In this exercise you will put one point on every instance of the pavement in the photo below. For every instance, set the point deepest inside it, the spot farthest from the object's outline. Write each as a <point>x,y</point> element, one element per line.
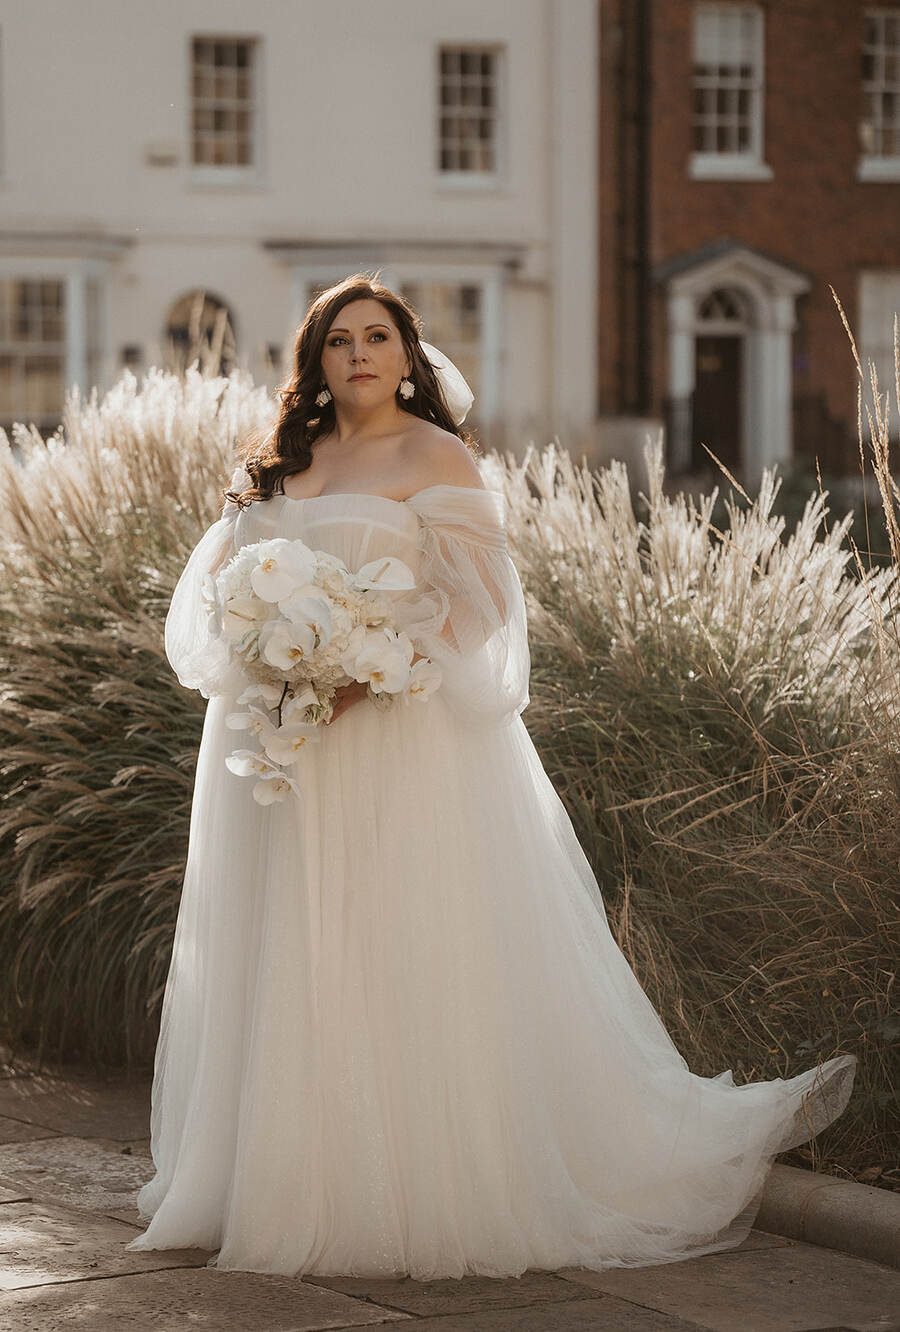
<point>74,1151</point>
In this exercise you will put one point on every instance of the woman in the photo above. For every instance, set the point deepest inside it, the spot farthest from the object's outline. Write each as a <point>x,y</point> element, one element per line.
<point>398,1036</point>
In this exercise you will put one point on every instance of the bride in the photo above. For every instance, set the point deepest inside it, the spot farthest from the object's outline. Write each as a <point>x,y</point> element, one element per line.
<point>398,1037</point>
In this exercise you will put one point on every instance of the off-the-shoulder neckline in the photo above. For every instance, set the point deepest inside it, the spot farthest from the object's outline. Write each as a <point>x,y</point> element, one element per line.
<point>365,494</point>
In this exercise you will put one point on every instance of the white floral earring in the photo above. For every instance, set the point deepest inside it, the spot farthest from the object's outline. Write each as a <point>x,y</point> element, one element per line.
<point>323,397</point>
<point>407,388</point>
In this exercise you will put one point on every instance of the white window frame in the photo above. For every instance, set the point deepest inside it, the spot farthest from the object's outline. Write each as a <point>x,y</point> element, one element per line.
<point>228,176</point>
<point>879,166</point>
<point>473,180</point>
<point>876,308</point>
<point>75,275</point>
<point>749,164</point>
<point>488,277</point>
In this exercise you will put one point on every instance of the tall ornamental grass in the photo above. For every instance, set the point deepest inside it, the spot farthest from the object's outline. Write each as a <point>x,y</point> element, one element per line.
<point>718,707</point>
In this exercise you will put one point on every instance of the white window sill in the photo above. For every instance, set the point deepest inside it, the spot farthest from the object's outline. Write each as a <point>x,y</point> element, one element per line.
<point>878,168</point>
<point>226,177</point>
<point>460,181</point>
<point>727,166</point>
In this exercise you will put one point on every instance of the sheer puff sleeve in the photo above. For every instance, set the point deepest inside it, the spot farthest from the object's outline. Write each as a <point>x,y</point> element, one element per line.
<point>197,655</point>
<point>477,632</point>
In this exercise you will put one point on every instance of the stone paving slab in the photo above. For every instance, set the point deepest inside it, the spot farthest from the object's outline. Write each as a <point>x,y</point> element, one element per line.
<point>795,1288</point>
<point>189,1300</point>
<point>10,1192</point>
<point>86,1173</point>
<point>86,1107</point>
<point>40,1244</point>
<point>19,1130</point>
<point>452,1295</point>
<point>598,1315</point>
<point>471,1293</point>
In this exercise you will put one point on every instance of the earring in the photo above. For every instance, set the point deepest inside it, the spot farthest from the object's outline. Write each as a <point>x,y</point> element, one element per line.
<point>407,388</point>
<point>323,397</point>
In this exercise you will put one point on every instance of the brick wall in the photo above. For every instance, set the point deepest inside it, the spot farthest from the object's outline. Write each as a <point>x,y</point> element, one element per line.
<point>813,215</point>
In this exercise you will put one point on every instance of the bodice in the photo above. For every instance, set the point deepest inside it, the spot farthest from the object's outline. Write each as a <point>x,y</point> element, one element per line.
<point>354,527</point>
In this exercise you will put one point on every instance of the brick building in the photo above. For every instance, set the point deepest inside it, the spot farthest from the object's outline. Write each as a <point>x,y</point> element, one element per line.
<point>749,156</point>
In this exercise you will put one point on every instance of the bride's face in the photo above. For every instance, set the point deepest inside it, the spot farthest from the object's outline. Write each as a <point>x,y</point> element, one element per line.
<point>363,357</point>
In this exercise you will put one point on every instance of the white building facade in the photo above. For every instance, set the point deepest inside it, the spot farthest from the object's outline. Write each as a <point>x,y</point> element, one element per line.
<point>220,161</point>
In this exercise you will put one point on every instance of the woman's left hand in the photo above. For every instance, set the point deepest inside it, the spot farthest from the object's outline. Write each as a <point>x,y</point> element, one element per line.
<point>345,696</point>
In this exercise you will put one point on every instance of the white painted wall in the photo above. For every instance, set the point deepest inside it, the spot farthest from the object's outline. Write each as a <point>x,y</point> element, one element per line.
<point>347,169</point>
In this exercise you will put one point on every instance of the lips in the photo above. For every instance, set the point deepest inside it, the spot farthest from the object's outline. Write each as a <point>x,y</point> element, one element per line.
<point>352,377</point>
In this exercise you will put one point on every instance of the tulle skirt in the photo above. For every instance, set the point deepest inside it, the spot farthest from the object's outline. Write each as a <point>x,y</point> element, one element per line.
<point>398,1037</point>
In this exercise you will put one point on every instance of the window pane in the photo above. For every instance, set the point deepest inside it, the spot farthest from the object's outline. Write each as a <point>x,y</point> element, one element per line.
<point>222,90</point>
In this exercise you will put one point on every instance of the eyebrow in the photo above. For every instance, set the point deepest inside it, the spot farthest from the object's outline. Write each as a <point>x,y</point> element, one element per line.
<point>365,330</point>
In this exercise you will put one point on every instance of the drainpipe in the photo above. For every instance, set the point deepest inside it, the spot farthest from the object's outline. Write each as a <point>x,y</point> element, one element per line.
<point>633,288</point>
<point>643,87</point>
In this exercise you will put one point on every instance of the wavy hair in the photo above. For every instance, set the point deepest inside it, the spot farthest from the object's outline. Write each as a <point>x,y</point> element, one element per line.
<point>287,448</point>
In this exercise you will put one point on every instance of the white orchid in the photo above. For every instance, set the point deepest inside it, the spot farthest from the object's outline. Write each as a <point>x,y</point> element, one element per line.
<point>284,743</point>
<point>271,694</point>
<point>384,660</point>
<point>254,720</point>
<point>272,783</point>
<point>281,565</point>
<point>284,645</point>
<point>310,607</point>
<point>425,677</point>
<point>274,786</point>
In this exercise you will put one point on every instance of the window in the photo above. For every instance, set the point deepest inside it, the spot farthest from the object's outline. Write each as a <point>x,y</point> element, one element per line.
<point>32,351</point>
<point>452,313</point>
<point>468,111</point>
<point>879,129</point>
<point>879,299</point>
<point>223,102</point>
<point>727,106</point>
<point>200,328</point>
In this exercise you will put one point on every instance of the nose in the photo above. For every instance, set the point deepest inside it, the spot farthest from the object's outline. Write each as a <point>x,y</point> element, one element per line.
<point>357,354</point>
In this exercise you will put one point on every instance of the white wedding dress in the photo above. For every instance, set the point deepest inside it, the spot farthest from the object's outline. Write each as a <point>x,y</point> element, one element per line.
<point>398,1036</point>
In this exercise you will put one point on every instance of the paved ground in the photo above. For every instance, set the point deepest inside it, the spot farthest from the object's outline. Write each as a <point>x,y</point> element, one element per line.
<point>73,1152</point>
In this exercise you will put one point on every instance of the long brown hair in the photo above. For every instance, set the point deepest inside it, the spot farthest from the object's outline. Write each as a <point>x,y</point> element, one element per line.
<point>287,448</point>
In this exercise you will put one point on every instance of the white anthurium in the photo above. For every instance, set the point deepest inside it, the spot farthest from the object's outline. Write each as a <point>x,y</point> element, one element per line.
<point>387,574</point>
<point>425,677</point>
<point>284,743</point>
<point>240,615</point>
<point>274,786</point>
<point>281,565</point>
<point>307,605</point>
<point>384,660</point>
<point>285,645</point>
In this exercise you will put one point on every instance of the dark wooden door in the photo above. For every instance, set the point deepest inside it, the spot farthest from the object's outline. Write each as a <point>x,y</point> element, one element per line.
<point>717,403</point>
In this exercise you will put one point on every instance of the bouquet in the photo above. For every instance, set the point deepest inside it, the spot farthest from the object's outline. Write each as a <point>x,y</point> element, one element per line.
<point>301,624</point>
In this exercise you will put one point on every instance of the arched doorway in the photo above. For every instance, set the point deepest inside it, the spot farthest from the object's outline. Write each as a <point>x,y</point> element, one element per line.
<point>730,315</point>
<point>200,327</point>
<point>724,318</point>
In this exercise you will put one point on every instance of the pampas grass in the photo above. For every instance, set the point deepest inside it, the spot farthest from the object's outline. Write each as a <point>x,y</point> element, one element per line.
<point>717,705</point>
